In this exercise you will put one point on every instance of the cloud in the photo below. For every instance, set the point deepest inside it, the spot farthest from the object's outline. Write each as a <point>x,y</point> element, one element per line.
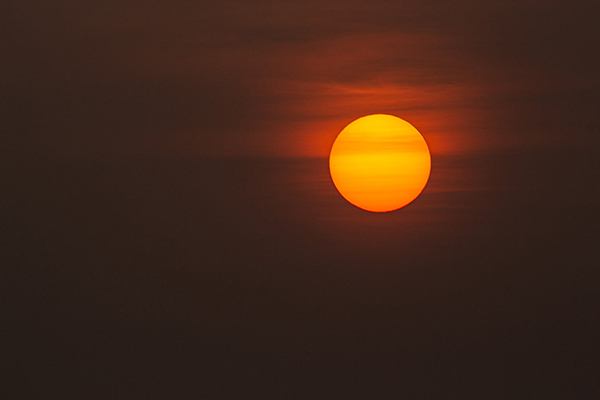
<point>281,78</point>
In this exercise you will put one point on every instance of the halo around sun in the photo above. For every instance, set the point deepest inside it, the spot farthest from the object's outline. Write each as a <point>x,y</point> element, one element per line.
<point>380,163</point>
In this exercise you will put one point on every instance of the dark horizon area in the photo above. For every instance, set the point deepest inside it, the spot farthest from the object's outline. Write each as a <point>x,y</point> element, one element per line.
<point>253,278</point>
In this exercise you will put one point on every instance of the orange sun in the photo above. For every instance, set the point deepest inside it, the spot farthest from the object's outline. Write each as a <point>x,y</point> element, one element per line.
<point>380,163</point>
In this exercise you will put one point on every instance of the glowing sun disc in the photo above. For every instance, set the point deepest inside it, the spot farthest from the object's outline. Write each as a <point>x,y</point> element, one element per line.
<point>380,163</point>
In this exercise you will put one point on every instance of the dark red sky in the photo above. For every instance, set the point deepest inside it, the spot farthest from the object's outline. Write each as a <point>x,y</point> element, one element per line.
<point>282,78</point>
<point>164,237</point>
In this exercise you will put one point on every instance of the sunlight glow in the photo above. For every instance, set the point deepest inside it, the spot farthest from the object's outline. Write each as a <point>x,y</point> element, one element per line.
<point>380,163</point>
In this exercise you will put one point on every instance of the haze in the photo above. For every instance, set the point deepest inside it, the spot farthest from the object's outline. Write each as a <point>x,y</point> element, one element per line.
<point>170,229</point>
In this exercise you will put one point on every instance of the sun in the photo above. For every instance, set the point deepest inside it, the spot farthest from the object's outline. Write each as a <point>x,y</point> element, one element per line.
<point>380,163</point>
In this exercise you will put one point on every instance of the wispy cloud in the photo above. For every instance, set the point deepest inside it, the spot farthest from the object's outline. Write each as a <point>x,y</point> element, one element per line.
<point>282,78</point>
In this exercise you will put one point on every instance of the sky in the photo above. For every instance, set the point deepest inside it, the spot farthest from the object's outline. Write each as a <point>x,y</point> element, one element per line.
<point>170,228</point>
<point>280,79</point>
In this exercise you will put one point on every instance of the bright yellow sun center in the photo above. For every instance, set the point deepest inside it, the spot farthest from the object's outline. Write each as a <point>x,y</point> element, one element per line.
<point>380,163</point>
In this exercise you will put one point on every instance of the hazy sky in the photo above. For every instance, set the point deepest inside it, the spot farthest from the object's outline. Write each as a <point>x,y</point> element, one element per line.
<point>283,78</point>
<point>207,275</point>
